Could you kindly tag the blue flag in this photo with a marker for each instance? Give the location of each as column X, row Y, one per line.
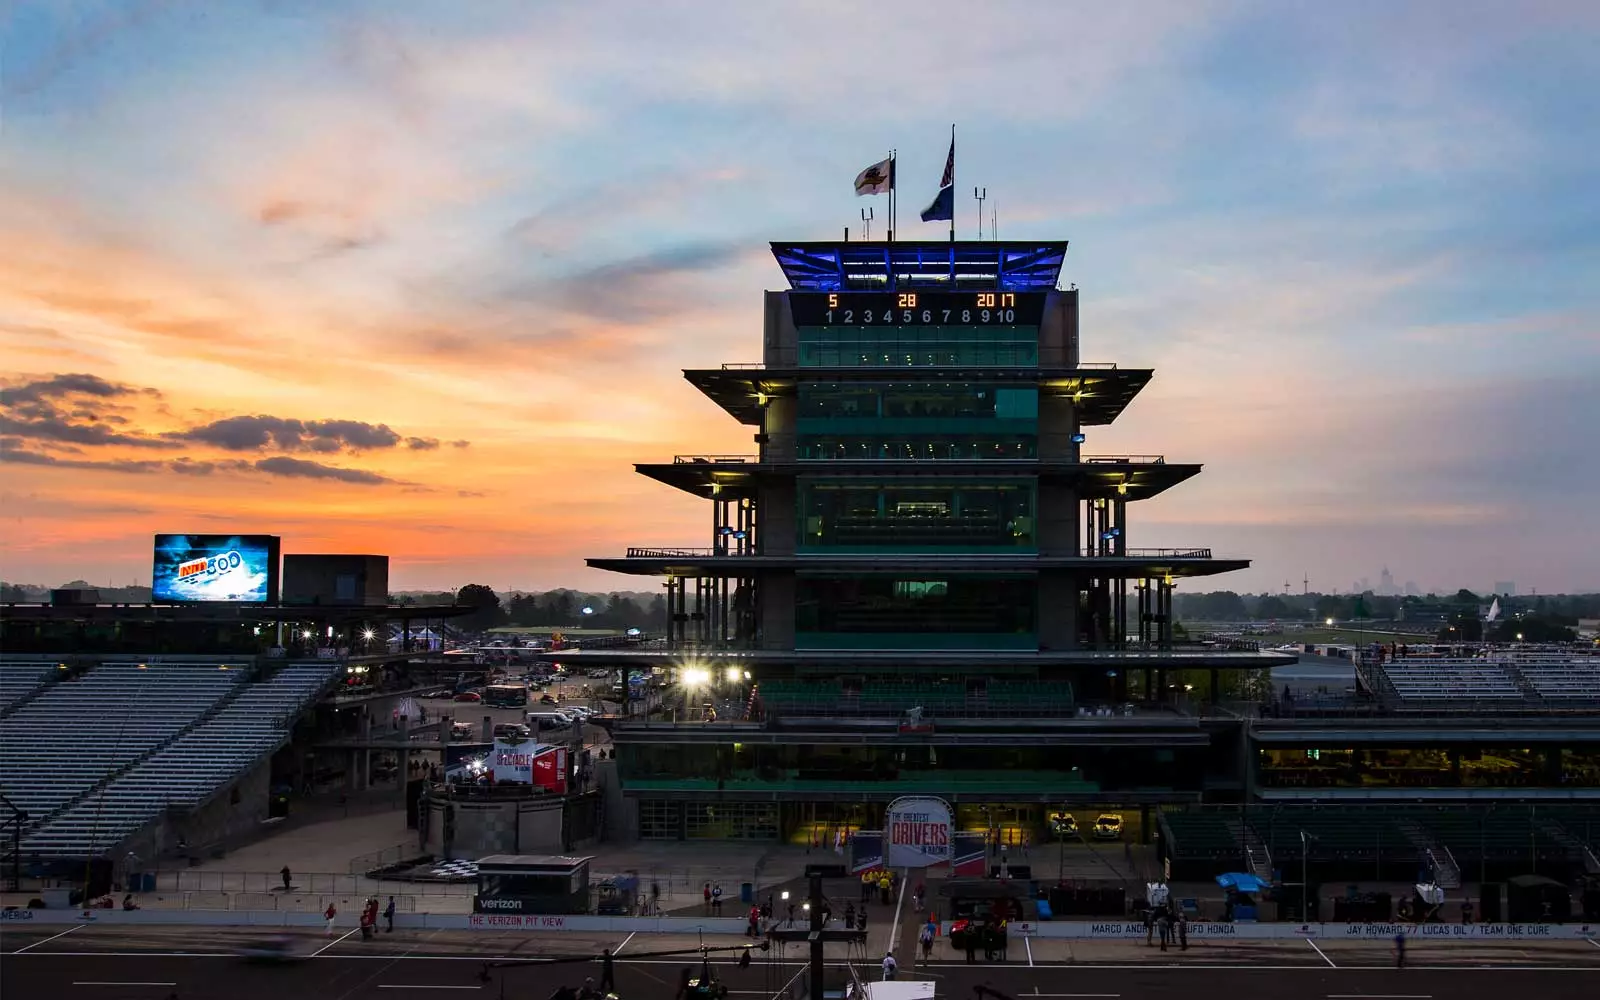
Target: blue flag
column 944, row 203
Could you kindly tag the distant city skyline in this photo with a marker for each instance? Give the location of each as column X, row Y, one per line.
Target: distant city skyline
column 420, row 279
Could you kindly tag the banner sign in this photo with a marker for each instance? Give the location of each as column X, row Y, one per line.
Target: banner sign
column 530, row 763
column 916, row 832
column 1129, row 930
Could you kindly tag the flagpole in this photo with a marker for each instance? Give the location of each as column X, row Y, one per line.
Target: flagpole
column 891, row 195
column 952, row 182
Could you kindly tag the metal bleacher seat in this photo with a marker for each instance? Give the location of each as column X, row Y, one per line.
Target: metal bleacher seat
column 18, row 680
column 1560, row 678
column 199, row 764
column 1451, row 680
column 80, row 731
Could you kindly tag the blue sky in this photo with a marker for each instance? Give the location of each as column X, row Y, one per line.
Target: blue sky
column 1357, row 241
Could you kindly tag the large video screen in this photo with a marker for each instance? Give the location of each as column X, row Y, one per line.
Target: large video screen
column 202, row 568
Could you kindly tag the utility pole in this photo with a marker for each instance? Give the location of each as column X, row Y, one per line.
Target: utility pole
column 979, row 195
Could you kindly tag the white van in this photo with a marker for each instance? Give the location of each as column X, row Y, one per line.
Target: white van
column 546, row 720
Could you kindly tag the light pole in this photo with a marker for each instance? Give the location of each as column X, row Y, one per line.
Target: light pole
column 1305, row 880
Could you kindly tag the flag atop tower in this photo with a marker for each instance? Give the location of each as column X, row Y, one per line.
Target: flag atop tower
column 943, row 207
column 877, row 178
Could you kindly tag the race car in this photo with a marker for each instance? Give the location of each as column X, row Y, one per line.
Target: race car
column 1108, row 826
column 1064, row 825
column 274, row 949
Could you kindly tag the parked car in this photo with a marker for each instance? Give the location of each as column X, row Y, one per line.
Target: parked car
column 1108, row 826
column 469, row 696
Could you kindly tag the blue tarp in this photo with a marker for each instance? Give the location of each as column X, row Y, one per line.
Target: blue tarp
column 1241, row 881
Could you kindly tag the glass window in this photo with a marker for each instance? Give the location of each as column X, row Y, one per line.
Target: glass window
column 885, row 605
column 956, row 517
column 918, row 346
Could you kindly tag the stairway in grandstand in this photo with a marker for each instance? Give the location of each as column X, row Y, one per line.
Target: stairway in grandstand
column 187, row 771
column 1441, row 864
column 1258, row 857
column 23, row 681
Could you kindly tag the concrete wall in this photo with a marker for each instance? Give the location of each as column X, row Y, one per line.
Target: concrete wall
column 219, row 822
column 776, row 528
column 505, row 826
column 781, row 345
column 621, row 812
column 1058, row 611
column 315, row 579
column 779, row 428
column 1058, row 333
column 777, row 611
column 1058, row 520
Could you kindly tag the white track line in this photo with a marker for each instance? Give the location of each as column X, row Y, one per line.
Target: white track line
column 47, row 940
column 618, row 949
column 894, row 931
column 123, row 984
column 1593, row 942
column 418, row 986
column 1319, row 951
column 1380, row 996
column 1144, row 967
column 1028, row 946
column 341, row 937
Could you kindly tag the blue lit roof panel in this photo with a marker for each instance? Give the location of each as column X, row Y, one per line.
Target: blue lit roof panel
column 840, row 266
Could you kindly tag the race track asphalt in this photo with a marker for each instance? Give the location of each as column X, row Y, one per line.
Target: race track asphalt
column 106, row 963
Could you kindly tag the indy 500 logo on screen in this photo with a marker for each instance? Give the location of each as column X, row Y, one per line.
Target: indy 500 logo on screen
column 214, row 568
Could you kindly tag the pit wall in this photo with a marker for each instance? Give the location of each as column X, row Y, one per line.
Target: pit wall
column 1102, row 930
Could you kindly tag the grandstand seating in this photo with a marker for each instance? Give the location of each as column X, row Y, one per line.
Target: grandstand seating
column 1489, row 834
column 196, row 766
column 81, row 731
column 18, row 680
column 1200, row 834
column 1562, row 679
column 1451, row 680
column 1338, row 833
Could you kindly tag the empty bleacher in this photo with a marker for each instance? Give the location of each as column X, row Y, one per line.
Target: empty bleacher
column 187, row 773
column 82, row 730
column 1457, row 679
column 1561, row 678
column 19, row 680
column 1201, row 834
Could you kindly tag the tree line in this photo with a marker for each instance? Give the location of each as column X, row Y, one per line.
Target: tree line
column 561, row 608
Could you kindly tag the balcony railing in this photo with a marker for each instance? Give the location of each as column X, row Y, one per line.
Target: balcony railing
column 752, row 459
column 695, row 553
column 736, row 366
column 1123, row 459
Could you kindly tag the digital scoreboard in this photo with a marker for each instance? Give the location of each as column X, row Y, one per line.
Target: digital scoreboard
column 917, row 308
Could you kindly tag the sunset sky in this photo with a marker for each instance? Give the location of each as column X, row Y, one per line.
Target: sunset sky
column 420, row 278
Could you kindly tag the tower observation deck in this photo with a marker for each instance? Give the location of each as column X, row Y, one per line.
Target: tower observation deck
column 921, row 481
column 921, row 578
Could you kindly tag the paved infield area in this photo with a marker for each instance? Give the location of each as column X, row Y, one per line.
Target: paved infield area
column 114, row 962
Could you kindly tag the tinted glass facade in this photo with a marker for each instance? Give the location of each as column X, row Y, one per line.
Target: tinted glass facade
column 931, row 612
column 906, row 421
column 965, row 516
column 871, row 346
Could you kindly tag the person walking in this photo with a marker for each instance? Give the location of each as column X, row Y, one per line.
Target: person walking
column 608, row 972
column 707, row 893
column 925, row 942
column 284, row 874
column 890, row 966
column 388, row 915
column 1400, row 949
column 330, row 914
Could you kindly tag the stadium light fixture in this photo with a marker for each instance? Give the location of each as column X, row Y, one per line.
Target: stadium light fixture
column 733, row 674
column 368, row 634
column 696, row 676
